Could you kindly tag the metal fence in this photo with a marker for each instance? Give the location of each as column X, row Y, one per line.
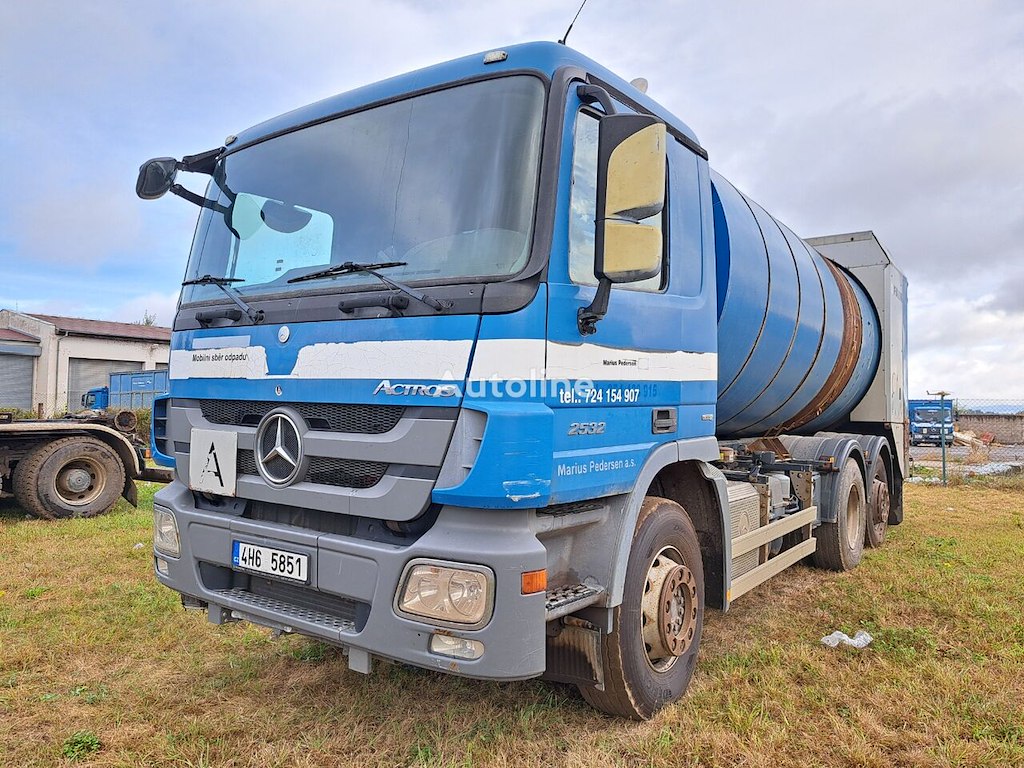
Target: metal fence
column 988, row 438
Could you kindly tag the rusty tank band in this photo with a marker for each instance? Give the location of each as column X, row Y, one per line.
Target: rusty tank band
column 849, row 354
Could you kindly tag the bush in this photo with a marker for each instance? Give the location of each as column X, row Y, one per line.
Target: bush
column 18, row 412
column 144, row 416
column 979, row 455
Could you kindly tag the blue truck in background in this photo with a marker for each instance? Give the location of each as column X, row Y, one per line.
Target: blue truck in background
column 130, row 390
column 483, row 369
column 929, row 421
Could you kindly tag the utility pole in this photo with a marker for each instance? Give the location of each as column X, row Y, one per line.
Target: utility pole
column 942, row 426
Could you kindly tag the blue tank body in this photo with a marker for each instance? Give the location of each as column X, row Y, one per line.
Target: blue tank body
column 798, row 337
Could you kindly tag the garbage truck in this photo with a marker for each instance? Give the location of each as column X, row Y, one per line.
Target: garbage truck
column 483, row 369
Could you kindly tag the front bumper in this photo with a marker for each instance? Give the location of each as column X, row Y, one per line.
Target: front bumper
column 352, row 582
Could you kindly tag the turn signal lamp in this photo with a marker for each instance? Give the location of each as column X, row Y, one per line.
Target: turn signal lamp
column 535, row 581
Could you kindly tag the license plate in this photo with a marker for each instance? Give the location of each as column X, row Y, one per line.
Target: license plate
column 285, row 565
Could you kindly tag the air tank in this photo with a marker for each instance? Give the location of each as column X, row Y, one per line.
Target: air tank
column 798, row 337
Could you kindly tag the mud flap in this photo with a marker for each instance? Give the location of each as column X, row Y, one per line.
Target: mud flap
column 130, row 492
column 574, row 654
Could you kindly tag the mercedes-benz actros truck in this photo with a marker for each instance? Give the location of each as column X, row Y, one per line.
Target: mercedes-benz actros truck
column 484, row 369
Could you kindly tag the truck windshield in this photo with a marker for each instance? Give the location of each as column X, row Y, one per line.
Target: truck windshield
column 445, row 181
column 932, row 416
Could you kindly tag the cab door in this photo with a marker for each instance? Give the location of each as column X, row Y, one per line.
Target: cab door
column 647, row 375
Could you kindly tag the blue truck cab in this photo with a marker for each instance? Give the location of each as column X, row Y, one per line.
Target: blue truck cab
column 455, row 381
column 96, row 398
column 930, row 420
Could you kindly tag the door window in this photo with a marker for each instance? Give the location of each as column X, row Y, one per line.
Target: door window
column 583, row 210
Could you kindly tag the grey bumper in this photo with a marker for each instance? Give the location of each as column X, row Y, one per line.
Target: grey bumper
column 352, row 584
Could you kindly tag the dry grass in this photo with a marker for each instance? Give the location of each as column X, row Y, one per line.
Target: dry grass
column 90, row 642
column 979, row 454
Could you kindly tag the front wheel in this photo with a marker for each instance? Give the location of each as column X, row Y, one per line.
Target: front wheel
column 651, row 652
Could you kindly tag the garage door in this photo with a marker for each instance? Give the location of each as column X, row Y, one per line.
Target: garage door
column 16, row 381
column 84, row 374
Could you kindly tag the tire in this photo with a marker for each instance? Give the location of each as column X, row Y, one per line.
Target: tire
column 841, row 544
column 70, row 477
column 879, row 505
column 665, row 551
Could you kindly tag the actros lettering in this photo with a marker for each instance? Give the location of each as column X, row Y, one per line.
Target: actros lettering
column 427, row 390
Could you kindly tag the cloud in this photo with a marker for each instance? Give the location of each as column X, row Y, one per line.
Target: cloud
column 904, row 118
column 964, row 345
column 1008, row 294
column 161, row 306
column 80, row 225
column 131, row 309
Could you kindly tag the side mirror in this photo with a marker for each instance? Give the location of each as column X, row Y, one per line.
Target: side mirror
column 156, row 177
column 630, row 188
column 631, row 159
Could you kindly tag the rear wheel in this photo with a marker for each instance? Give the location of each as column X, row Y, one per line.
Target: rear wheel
column 878, row 504
column 651, row 652
column 70, row 477
column 841, row 544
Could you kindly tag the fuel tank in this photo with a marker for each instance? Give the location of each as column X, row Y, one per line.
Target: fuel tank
column 798, row 337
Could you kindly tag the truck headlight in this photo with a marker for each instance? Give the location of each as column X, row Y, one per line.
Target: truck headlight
column 165, row 532
column 449, row 593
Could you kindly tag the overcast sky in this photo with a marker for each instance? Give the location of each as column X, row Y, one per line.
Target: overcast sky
column 905, row 117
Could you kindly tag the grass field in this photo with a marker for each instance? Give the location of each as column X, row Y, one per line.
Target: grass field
column 100, row 666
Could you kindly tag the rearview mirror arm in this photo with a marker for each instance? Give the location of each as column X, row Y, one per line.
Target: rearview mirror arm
column 587, row 317
column 588, row 94
column 192, row 197
column 204, row 162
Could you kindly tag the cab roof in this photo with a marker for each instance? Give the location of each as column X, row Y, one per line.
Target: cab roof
column 545, row 58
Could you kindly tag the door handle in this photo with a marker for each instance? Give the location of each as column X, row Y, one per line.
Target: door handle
column 663, row 420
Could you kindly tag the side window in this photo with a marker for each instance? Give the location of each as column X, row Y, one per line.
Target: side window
column 685, row 220
column 583, row 200
column 583, row 210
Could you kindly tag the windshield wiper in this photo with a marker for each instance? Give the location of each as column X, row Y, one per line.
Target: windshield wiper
column 224, row 283
column 371, row 269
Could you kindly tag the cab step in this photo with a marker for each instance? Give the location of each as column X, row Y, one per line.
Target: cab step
column 569, row 599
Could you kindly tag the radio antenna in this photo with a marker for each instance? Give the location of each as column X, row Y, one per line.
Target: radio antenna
column 566, row 35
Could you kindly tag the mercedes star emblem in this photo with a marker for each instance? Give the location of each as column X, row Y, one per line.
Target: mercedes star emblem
column 278, row 449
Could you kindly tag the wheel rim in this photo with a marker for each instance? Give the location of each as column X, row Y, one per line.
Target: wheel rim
column 854, row 516
column 668, row 620
column 880, row 507
column 80, row 481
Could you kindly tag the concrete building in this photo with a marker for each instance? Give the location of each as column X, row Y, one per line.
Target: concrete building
column 48, row 362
